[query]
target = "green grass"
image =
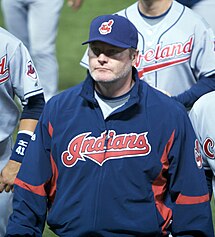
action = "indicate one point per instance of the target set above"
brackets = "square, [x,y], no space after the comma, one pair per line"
[73,30]
[213,211]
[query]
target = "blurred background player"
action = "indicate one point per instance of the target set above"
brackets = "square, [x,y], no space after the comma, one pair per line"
[18,77]
[202,116]
[132,164]
[35,23]
[176,49]
[204,8]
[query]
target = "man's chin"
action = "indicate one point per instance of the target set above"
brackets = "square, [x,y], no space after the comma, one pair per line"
[103,79]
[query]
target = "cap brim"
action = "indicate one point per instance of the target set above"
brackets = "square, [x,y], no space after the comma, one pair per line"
[109,41]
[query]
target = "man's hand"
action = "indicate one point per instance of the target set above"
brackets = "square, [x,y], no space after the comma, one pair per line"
[74,4]
[8,175]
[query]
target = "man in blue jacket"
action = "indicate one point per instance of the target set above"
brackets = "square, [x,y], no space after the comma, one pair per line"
[112,156]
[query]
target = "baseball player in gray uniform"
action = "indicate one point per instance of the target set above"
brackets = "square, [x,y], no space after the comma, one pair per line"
[35,23]
[202,116]
[19,78]
[176,49]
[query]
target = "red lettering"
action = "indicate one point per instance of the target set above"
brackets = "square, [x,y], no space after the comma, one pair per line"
[208,146]
[166,52]
[3,68]
[149,55]
[118,146]
[4,71]
[188,46]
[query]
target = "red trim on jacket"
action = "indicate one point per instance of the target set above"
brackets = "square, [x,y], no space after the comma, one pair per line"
[182,199]
[40,189]
[53,181]
[50,129]
[159,186]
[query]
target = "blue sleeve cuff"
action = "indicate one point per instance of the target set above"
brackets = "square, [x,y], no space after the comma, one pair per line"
[20,146]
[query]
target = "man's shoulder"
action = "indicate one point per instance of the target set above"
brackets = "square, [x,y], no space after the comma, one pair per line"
[188,13]
[132,9]
[205,104]
[9,43]
[7,36]
[162,101]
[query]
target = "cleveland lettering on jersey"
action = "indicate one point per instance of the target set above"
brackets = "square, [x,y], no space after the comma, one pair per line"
[170,52]
[4,71]
[208,147]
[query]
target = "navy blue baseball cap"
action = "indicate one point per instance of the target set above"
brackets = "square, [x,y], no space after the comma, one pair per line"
[113,29]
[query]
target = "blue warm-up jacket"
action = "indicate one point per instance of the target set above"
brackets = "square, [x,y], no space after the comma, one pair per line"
[136,173]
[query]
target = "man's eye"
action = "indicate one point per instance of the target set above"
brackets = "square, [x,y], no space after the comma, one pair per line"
[96,51]
[111,52]
[108,52]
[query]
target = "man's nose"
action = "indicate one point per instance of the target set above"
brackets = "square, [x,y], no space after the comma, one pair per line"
[102,57]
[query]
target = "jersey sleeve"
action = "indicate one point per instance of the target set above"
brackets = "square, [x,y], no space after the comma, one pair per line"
[34,185]
[25,79]
[188,187]
[202,64]
[202,118]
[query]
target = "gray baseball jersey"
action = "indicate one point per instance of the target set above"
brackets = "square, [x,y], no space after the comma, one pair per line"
[202,116]
[173,53]
[35,23]
[17,77]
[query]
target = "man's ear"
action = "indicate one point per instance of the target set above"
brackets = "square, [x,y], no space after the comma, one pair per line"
[134,57]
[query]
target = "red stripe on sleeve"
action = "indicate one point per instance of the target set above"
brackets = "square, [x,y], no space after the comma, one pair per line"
[182,199]
[50,129]
[40,190]
[159,186]
[53,180]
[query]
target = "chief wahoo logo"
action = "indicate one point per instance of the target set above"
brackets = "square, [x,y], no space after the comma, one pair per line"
[31,72]
[106,27]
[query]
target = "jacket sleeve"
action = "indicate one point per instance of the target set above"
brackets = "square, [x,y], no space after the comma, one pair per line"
[31,193]
[191,211]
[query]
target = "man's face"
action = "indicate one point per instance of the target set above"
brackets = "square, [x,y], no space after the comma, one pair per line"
[108,63]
